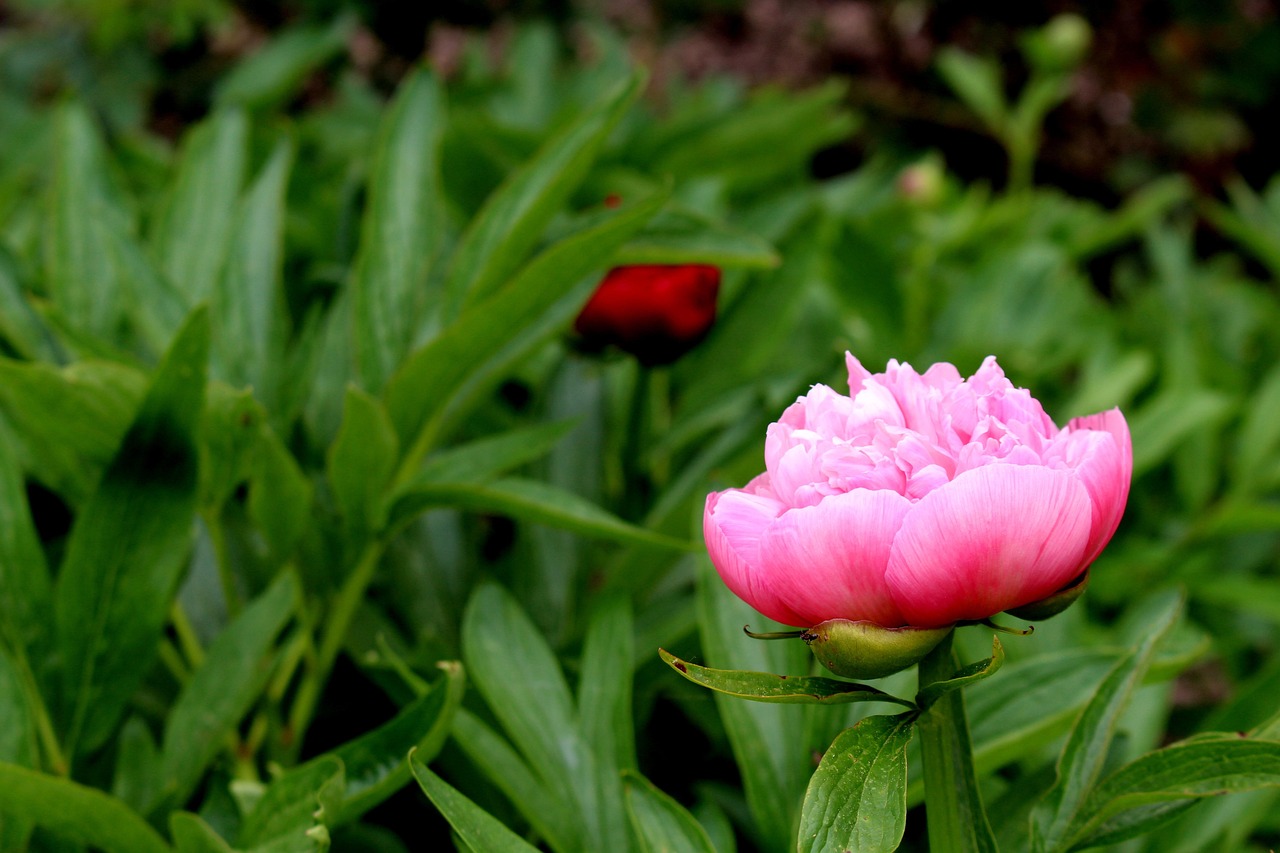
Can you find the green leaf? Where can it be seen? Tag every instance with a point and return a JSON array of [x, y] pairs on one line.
[[786, 689], [515, 216], [198, 216], [249, 304], [529, 500], [279, 495], [192, 835], [137, 777], [549, 814], [129, 545], [520, 679], [1163, 423], [857, 798], [272, 74], [229, 436], [682, 237], [295, 811], [70, 420], [82, 814], [497, 331], [80, 211], [224, 688], [26, 588], [376, 763], [662, 824], [482, 459], [1057, 819], [976, 81], [970, 674], [479, 829], [400, 229], [1152, 789], [361, 460], [20, 326], [605, 685]]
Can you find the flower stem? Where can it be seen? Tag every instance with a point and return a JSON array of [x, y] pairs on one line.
[[953, 806]]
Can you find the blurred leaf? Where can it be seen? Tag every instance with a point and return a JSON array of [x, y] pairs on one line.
[[198, 217], [857, 797], [785, 689], [296, 810], [17, 727], [400, 229], [1259, 436], [70, 420], [476, 827], [273, 74], [662, 824], [361, 460], [1138, 212], [279, 495], [137, 777], [229, 434], [970, 674], [1055, 822], [529, 500], [129, 545], [605, 685], [20, 326], [223, 689], [496, 243], [976, 81], [248, 305], [82, 814], [494, 332], [482, 459], [26, 587], [192, 835], [1160, 425], [682, 237]]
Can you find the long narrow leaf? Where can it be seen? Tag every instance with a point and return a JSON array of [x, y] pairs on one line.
[[476, 827], [783, 689]]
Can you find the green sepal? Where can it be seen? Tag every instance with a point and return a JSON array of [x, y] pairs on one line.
[[867, 650]]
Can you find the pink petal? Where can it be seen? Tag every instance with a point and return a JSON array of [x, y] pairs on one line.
[[732, 524], [1106, 471], [993, 538], [828, 561]]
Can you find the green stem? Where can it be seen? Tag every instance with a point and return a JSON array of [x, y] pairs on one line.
[[186, 634], [48, 739], [953, 806]]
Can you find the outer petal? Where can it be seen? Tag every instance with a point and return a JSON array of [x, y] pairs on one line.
[[1106, 472], [828, 561], [732, 524], [993, 538]]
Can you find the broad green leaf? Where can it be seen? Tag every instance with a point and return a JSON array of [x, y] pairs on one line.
[[361, 460], [137, 778], [75, 811], [970, 674], [662, 824], [272, 74], [26, 588], [400, 231], [376, 763], [70, 420], [494, 333], [786, 689], [681, 237], [249, 304], [129, 545], [85, 288], [482, 459], [529, 500], [198, 216], [295, 812], [157, 308], [1056, 820], [20, 326], [1150, 790], [550, 814], [515, 216], [520, 679], [976, 81], [191, 834], [480, 830], [605, 685], [223, 689], [279, 495], [857, 798]]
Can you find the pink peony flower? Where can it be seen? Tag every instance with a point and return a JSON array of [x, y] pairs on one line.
[[919, 500]]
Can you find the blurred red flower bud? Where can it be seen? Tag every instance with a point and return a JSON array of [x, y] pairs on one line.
[[656, 313]]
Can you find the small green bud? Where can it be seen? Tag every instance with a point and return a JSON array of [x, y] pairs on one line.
[[866, 650], [1059, 45], [923, 183], [1038, 611]]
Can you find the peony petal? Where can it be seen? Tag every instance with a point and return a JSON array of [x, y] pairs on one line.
[[995, 537], [1106, 470], [732, 524], [828, 561]]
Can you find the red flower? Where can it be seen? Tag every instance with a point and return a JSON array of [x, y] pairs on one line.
[[656, 313]]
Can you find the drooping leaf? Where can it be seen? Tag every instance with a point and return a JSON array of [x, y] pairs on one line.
[[785, 689], [970, 674], [857, 798], [129, 544]]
